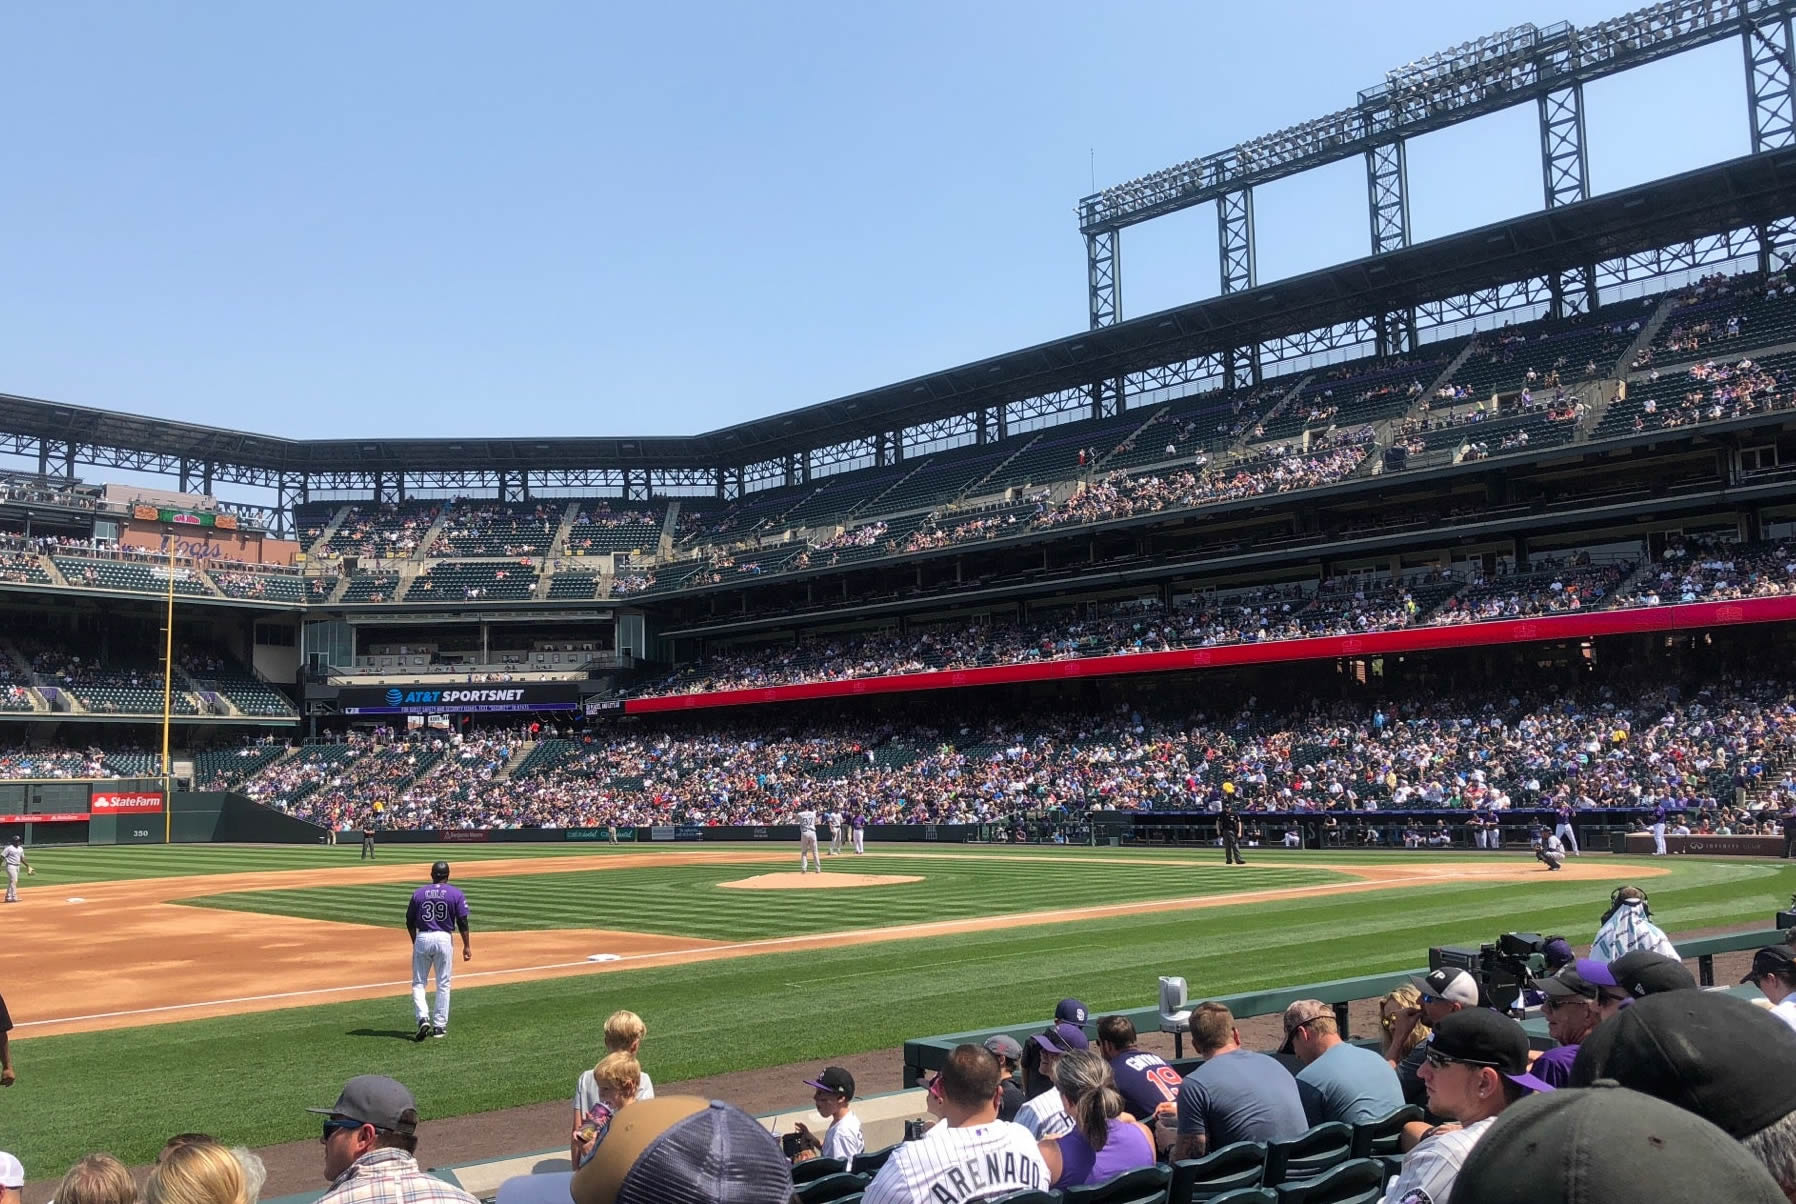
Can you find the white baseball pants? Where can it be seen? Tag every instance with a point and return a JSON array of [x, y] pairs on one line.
[[807, 850], [431, 952], [12, 884], [835, 839], [1658, 840], [1568, 838], [860, 840]]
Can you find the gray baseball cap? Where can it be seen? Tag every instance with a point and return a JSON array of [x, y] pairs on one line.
[[376, 1100], [1005, 1047]]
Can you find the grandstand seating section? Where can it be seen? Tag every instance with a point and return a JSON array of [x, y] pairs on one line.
[[259, 586], [388, 532], [371, 587], [25, 568], [1502, 359], [242, 689], [1686, 396], [1716, 319], [144, 577], [452, 580], [498, 529], [602, 527], [574, 586], [223, 768]]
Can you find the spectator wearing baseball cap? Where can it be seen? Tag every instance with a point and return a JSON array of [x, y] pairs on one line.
[[1774, 974], [1043, 1115], [1236, 1095], [832, 1092], [1148, 1086], [1009, 1053], [670, 1148], [370, 1142], [12, 1179], [1720, 1057], [1642, 973], [1338, 1081], [1443, 992], [1476, 1066], [1577, 999], [1607, 1145]]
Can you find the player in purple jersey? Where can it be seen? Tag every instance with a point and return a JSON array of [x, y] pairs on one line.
[[435, 911], [1563, 828]]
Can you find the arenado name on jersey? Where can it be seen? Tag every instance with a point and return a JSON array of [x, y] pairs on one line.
[[981, 1173]]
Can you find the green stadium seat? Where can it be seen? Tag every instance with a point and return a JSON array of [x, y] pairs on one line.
[[1380, 1136], [1241, 1164], [1144, 1186], [830, 1188], [1321, 1149], [817, 1168], [869, 1163], [1248, 1195], [1360, 1181]]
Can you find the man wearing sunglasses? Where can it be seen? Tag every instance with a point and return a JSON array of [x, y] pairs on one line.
[[1575, 1000], [1476, 1065], [1444, 992], [370, 1142]]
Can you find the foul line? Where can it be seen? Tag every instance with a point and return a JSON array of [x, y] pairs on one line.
[[898, 932]]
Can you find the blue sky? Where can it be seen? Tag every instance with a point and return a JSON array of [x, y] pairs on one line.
[[335, 219]]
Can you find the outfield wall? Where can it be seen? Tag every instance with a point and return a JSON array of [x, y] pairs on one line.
[[82, 811]]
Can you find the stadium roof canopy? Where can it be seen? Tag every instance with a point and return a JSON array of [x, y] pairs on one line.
[[1739, 194]]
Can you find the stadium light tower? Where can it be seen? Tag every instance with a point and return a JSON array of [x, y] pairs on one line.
[[1548, 66]]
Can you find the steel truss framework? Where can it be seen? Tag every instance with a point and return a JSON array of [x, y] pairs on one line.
[[1549, 66]]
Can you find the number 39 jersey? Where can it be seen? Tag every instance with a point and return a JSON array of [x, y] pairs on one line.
[[1145, 1082], [436, 908]]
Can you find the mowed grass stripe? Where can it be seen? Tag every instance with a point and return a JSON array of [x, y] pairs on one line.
[[688, 900], [247, 1078]]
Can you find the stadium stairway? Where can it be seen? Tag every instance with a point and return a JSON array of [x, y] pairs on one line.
[[869, 506], [670, 522], [422, 551], [54, 573], [197, 692], [330, 529], [1290, 395], [1648, 332], [973, 486], [558, 545], [518, 756], [1597, 398], [1154, 414]]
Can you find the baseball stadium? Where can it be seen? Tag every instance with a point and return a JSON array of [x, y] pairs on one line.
[[1358, 706]]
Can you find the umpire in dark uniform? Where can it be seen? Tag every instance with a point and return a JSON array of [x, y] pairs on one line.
[[368, 839], [1231, 837], [1789, 820]]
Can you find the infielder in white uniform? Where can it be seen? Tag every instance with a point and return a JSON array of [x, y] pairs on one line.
[[835, 833], [14, 856], [807, 842], [435, 911], [971, 1153]]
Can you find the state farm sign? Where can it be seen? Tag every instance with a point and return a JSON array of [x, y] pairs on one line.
[[124, 804]]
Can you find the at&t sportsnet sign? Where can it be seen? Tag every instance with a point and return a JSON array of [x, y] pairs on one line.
[[443, 700], [133, 803]]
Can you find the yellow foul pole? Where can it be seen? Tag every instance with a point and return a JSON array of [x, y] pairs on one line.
[[168, 696]]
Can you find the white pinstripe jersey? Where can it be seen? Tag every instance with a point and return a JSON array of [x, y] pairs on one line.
[[1429, 1170], [948, 1166]]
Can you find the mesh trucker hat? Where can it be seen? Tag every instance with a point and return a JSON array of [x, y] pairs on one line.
[[1709, 1053], [12, 1171], [1301, 1013], [376, 1100], [1642, 973], [1603, 1144], [673, 1149]]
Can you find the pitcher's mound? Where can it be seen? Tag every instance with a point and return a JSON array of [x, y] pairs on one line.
[[817, 881]]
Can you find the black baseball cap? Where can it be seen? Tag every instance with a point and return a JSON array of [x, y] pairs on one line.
[[1487, 1038], [1583, 979], [1070, 1010], [1643, 972], [834, 1079], [1605, 1144], [1771, 960], [1706, 1052], [377, 1100], [439, 871]]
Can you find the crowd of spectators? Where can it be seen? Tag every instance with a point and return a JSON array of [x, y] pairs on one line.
[[390, 531], [1716, 391], [1720, 755], [493, 529], [1695, 570]]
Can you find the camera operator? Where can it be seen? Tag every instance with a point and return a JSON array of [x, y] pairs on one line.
[[1577, 999], [1627, 926]]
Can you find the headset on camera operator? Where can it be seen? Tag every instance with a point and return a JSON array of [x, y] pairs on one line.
[[1628, 926]]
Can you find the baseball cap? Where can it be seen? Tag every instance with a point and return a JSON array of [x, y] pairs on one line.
[[833, 1078], [377, 1100], [1301, 1013], [12, 1171], [1062, 1038], [1584, 979], [1005, 1047], [1070, 1010], [1706, 1052], [673, 1149], [1557, 952], [1491, 1038], [1643, 972], [1770, 960], [1449, 983], [1607, 1143]]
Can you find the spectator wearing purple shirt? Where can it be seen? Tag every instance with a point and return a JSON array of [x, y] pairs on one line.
[[436, 911], [1578, 998]]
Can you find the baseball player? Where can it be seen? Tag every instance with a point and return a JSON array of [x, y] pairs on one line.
[[860, 833], [1659, 830], [1231, 838], [14, 856], [837, 830], [807, 842], [971, 1154], [435, 911], [368, 839], [1550, 852], [1563, 827]]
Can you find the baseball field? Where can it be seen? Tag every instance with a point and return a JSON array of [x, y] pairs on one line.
[[221, 988]]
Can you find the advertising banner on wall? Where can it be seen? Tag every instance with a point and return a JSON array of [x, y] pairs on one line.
[[126, 803], [448, 700]]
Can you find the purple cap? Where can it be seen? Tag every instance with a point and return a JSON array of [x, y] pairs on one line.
[[1558, 952], [1071, 1010], [1062, 1038]]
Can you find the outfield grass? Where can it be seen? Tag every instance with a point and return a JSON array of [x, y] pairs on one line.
[[687, 900], [113, 863], [247, 1078]]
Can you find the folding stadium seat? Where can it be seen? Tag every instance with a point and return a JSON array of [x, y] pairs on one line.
[[1144, 1186], [1242, 1164], [817, 1168], [830, 1188], [1323, 1148], [1248, 1195], [1380, 1136], [867, 1163], [1360, 1181]]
